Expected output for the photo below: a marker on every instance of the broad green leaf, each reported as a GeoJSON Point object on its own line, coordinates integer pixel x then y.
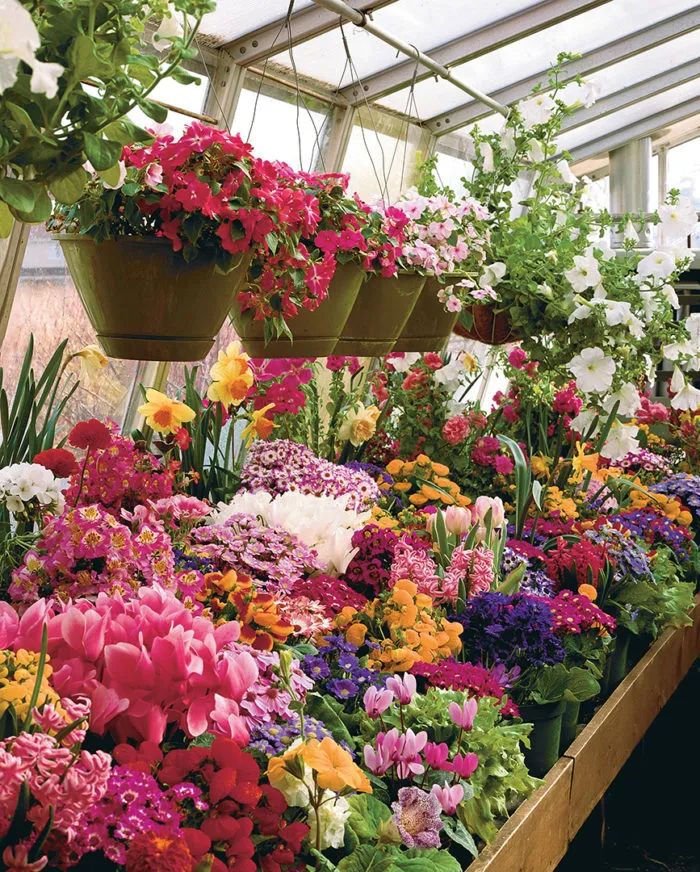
{"type": "Point", "coordinates": [84, 59]}
{"type": "Point", "coordinates": [455, 830]}
{"type": "Point", "coordinates": [368, 858]}
{"type": "Point", "coordinates": [111, 176]}
{"type": "Point", "coordinates": [18, 194]}
{"type": "Point", "coordinates": [102, 153]}
{"type": "Point", "coordinates": [6, 220]}
{"type": "Point", "coordinates": [40, 210]}
{"type": "Point", "coordinates": [69, 189]}
{"type": "Point", "coordinates": [154, 110]}
{"type": "Point", "coordinates": [126, 132]}
{"type": "Point", "coordinates": [425, 860]}
{"type": "Point", "coordinates": [367, 813]}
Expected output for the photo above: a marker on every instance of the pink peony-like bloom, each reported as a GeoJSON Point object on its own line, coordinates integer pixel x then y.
{"type": "Point", "coordinates": [417, 818]}
{"type": "Point", "coordinates": [517, 358]}
{"type": "Point", "coordinates": [456, 429]}
{"type": "Point", "coordinates": [448, 797]}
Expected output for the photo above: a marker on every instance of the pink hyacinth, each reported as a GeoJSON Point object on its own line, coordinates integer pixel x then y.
{"type": "Point", "coordinates": [474, 566]}
{"type": "Point", "coordinates": [144, 663]}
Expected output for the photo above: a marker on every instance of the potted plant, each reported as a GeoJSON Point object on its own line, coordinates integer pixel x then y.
{"type": "Point", "coordinates": [157, 261]}
{"type": "Point", "coordinates": [51, 123]}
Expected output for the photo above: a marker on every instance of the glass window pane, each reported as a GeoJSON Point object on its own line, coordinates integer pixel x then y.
{"type": "Point", "coordinates": [451, 170]}
{"type": "Point", "coordinates": [191, 97]}
{"type": "Point", "coordinates": [579, 33]}
{"type": "Point", "coordinates": [424, 23]}
{"type": "Point", "coordinates": [683, 172]}
{"type": "Point", "coordinates": [232, 19]}
{"type": "Point", "coordinates": [279, 128]}
{"type": "Point", "coordinates": [381, 156]}
{"type": "Point", "coordinates": [47, 306]}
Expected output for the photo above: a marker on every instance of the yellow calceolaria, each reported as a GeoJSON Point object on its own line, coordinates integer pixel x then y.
{"type": "Point", "coordinates": [583, 463]}
{"type": "Point", "coordinates": [556, 501]}
{"type": "Point", "coordinates": [541, 465]}
{"type": "Point", "coordinates": [18, 670]}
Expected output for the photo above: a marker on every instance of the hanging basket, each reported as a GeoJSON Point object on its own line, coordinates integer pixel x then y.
{"type": "Point", "coordinates": [488, 325]}
{"type": "Point", "coordinates": [429, 325]}
{"type": "Point", "coordinates": [380, 312]}
{"type": "Point", "coordinates": [315, 333]}
{"type": "Point", "coordinates": [144, 301]}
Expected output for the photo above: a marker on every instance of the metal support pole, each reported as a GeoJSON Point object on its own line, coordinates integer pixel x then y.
{"type": "Point", "coordinates": [224, 90]}
{"type": "Point", "coordinates": [630, 184]}
{"type": "Point", "coordinates": [362, 20]}
{"type": "Point", "coordinates": [337, 139]}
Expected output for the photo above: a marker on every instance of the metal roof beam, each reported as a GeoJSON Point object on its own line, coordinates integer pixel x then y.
{"type": "Point", "coordinates": [258, 45]}
{"type": "Point", "coordinates": [612, 52]}
{"type": "Point", "coordinates": [470, 45]}
{"type": "Point", "coordinates": [644, 127]}
{"type": "Point", "coordinates": [634, 94]}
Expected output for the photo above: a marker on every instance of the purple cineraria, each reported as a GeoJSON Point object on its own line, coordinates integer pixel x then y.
{"type": "Point", "coordinates": [417, 818]}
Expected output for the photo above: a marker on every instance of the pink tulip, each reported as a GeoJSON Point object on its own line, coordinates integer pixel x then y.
{"type": "Point", "coordinates": [458, 520]}
{"type": "Point", "coordinates": [376, 701]}
{"type": "Point", "coordinates": [403, 688]}
{"type": "Point", "coordinates": [464, 715]}
{"type": "Point", "coordinates": [9, 625]}
{"type": "Point", "coordinates": [464, 765]}
{"type": "Point", "coordinates": [481, 508]}
{"type": "Point", "coordinates": [449, 797]}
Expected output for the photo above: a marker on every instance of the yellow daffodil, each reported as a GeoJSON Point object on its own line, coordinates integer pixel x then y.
{"type": "Point", "coordinates": [259, 427]}
{"type": "Point", "coordinates": [231, 377]}
{"type": "Point", "coordinates": [163, 414]}
{"type": "Point", "coordinates": [360, 424]}
{"type": "Point", "coordinates": [583, 462]}
{"type": "Point", "coordinates": [540, 464]}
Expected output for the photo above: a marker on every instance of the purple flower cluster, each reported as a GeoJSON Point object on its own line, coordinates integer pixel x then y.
{"type": "Point", "coordinates": [654, 528]}
{"type": "Point", "coordinates": [271, 555]}
{"type": "Point", "coordinates": [374, 471]}
{"type": "Point", "coordinates": [280, 465]}
{"type": "Point", "coordinates": [370, 568]}
{"type": "Point", "coordinates": [627, 555]}
{"type": "Point", "coordinates": [534, 581]}
{"type": "Point", "coordinates": [685, 487]}
{"type": "Point", "coordinates": [512, 629]}
{"type": "Point", "coordinates": [273, 739]}
{"type": "Point", "coordinates": [642, 458]}
{"type": "Point", "coordinates": [336, 670]}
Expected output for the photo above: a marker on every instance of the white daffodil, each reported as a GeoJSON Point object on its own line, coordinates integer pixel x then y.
{"type": "Point", "coordinates": [593, 370]}
{"type": "Point", "coordinates": [658, 264]}
{"type": "Point", "coordinates": [678, 219]}
{"type": "Point", "coordinates": [628, 398]}
{"type": "Point", "coordinates": [536, 110]}
{"type": "Point", "coordinates": [565, 172]}
{"type": "Point", "coordinates": [19, 41]}
{"type": "Point", "coordinates": [687, 397]}
{"type": "Point", "coordinates": [492, 274]}
{"type": "Point", "coordinates": [585, 273]}
{"type": "Point", "coordinates": [620, 441]}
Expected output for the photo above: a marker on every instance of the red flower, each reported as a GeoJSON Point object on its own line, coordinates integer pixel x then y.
{"type": "Point", "coordinates": [91, 435]}
{"type": "Point", "coordinates": [60, 461]}
{"type": "Point", "coordinates": [152, 850]}
{"type": "Point", "coordinates": [182, 439]}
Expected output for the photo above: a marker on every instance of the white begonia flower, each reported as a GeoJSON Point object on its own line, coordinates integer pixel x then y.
{"type": "Point", "coordinates": [170, 28]}
{"type": "Point", "coordinates": [565, 172]}
{"type": "Point", "coordinates": [621, 440]}
{"type": "Point", "coordinates": [678, 219]}
{"type": "Point", "coordinates": [403, 364]}
{"type": "Point", "coordinates": [486, 153]}
{"type": "Point", "coordinates": [593, 370]}
{"type": "Point", "coordinates": [630, 234]}
{"type": "Point", "coordinates": [628, 398]}
{"type": "Point", "coordinates": [658, 264]}
{"type": "Point", "coordinates": [585, 273]}
{"type": "Point", "coordinates": [536, 110]}
{"type": "Point", "coordinates": [687, 397]}
{"type": "Point", "coordinates": [19, 41]}
{"type": "Point", "coordinates": [492, 275]}
{"type": "Point", "coordinates": [535, 151]}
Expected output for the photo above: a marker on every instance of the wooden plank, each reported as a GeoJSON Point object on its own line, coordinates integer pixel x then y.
{"type": "Point", "coordinates": [604, 745]}
{"type": "Point", "coordinates": [535, 838]}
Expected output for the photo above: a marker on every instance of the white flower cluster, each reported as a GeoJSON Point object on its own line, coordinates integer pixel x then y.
{"type": "Point", "coordinates": [20, 41]}
{"type": "Point", "coordinates": [28, 487]}
{"type": "Point", "coordinates": [324, 524]}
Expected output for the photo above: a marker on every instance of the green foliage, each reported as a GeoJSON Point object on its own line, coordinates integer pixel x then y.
{"type": "Point", "coordinates": [554, 683]}
{"type": "Point", "coordinates": [367, 814]}
{"type": "Point", "coordinates": [103, 49]}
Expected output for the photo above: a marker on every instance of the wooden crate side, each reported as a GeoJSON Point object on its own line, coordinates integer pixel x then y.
{"type": "Point", "coordinates": [535, 838]}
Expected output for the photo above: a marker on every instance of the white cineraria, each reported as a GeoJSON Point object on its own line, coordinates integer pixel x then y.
{"type": "Point", "coordinates": [585, 273]}
{"type": "Point", "coordinates": [620, 441]}
{"type": "Point", "coordinates": [538, 109]}
{"type": "Point", "coordinates": [324, 524]}
{"type": "Point", "coordinates": [19, 41]}
{"type": "Point", "coordinates": [28, 488]}
{"type": "Point", "coordinates": [593, 371]}
{"type": "Point", "coordinates": [686, 397]}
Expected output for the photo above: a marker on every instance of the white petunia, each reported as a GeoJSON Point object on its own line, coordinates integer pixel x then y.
{"type": "Point", "coordinates": [619, 312]}
{"type": "Point", "coordinates": [627, 397]}
{"type": "Point", "coordinates": [669, 292]}
{"type": "Point", "coordinates": [584, 274]}
{"type": "Point", "coordinates": [19, 41]}
{"type": "Point", "coordinates": [583, 93]}
{"type": "Point", "coordinates": [170, 28]}
{"type": "Point", "coordinates": [403, 364]}
{"type": "Point", "coordinates": [658, 264]}
{"type": "Point", "coordinates": [486, 153]}
{"type": "Point", "coordinates": [630, 234]}
{"type": "Point", "coordinates": [678, 219]}
{"type": "Point", "coordinates": [508, 143]}
{"type": "Point", "coordinates": [687, 397]}
{"type": "Point", "coordinates": [593, 370]}
{"type": "Point", "coordinates": [536, 110]}
{"type": "Point", "coordinates": [620, 441]}
{"type": "Point", "coordinates": [583, 422]}
{"type": "Point", "coordinates": [492, 275]}
{"type": "Point", "coordinates": [565, 172]}
{"type": "Point", "coordinates": [535, 151]}
{"type": "Point", "coordinates": [45, 78]}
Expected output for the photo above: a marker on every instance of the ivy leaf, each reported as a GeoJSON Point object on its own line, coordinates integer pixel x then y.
{"type": "Point", "coordinates": [69, 189]}
{"type": "Point", "coordinates": [18, 194]}
{"type": "Point", "coordinates": [102, 153]}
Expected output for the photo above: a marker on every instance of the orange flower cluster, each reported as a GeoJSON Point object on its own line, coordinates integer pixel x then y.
{"type": "Point", "coordinates": [665, 505]}
{"type": "Point", "coordinates": [233, 597]}
{"type": "Point", "coordinates": [426, 482]}
{"type": "Point", "coordinates": [410, 629]}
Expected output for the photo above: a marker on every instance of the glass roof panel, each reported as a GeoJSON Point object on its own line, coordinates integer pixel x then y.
{"type": "Point", "coordinates": [232, 19]}
{"type": "Point", "coordinates": [631, 114]}
{"type": "Point", "coordinates": [424, 23]}
{"type": "Point", "coordinates": [580, 33]}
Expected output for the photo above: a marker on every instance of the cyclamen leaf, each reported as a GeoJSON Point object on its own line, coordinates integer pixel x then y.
{"type": "Point", "coordinates": [455, 830]}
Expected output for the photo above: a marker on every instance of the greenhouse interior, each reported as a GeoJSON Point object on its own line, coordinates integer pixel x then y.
{"type": "Point", "coordinates": [349, 435]}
